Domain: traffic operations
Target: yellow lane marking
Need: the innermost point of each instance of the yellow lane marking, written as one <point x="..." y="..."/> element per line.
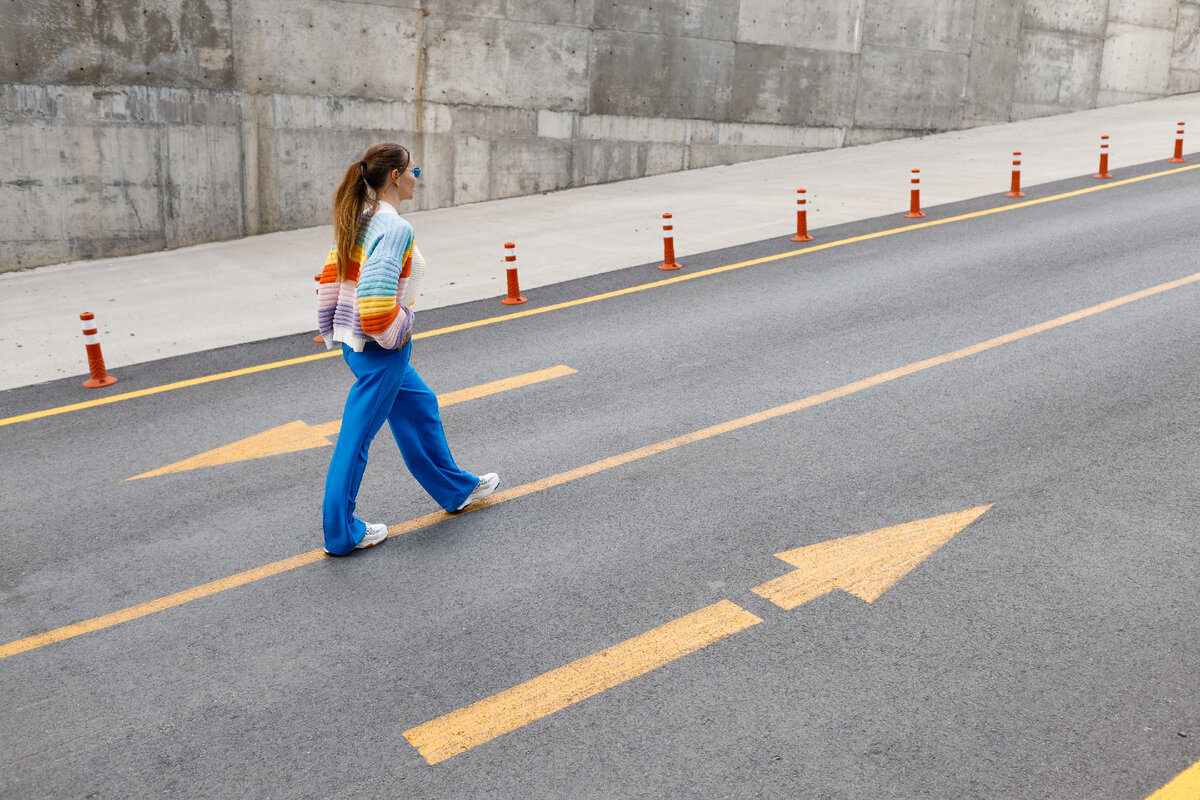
<point x="1185" y="786"/>
<point x="867" y="564"/>
<point x="483" y="721"/>
<point x="38" y="640"/>
<point x="171" y="600"/>
<point x="297" y="435"/>
<point x="593" y="298"/>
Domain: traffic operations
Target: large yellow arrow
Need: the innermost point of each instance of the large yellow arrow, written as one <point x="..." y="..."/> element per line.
<point x="299" y="435"/>
<point x="866" y="564"/>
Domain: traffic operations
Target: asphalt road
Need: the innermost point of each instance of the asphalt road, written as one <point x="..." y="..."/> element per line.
<point x="1049" y="650"/>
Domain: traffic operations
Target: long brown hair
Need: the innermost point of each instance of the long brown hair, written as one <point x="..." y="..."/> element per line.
<point x="352" y="196"/>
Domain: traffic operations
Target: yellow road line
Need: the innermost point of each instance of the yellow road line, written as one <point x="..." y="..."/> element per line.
<point x="1185" y="786"/>
<point x="483" y="721"/>
<point x="294" y="436"/>
<point x="108" y="620"/>
<point x="593" y="298"/>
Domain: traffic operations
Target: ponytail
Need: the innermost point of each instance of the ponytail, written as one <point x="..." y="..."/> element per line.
<point x="356" y="195"/>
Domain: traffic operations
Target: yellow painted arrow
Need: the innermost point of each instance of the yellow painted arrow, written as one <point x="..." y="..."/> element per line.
<point x="866" y="564"/>
<point x="299" y="435"/>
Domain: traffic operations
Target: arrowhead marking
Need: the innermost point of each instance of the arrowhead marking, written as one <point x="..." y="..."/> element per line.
<point x="297" y="435"/>
<point x="287" y="438"/>
<point x="867" y="564"/>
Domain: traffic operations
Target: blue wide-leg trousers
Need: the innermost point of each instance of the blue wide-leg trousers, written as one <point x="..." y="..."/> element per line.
<point x="387" y="388"/>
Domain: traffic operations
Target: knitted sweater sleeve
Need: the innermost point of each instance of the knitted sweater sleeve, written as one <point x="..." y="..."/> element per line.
<point x="386" y="321"/>
<point x="411" y="284"/>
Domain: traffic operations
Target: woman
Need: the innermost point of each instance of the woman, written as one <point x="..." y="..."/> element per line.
<point x="365" y="301"/>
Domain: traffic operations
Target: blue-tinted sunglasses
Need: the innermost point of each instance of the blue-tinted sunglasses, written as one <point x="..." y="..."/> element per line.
<point x="416" y="171"/>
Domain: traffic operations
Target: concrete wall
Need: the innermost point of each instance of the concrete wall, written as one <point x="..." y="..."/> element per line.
<point x="133" y="126"/>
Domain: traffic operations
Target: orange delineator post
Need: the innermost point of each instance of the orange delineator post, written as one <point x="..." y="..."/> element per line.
<point x="1103" y="173"/>
<point x="801" y="219"/>
<point x="1015" y="191"/>
<point x="914" y="204"/>
<point x="1178" y="157"/>
<point x="514" y="290"/>
<point x="669" y="261"/>
<point x="95" y="359"/>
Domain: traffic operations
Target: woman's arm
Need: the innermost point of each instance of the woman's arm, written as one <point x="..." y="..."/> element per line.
<point x="383" y="319"/>
<point x="411" y="284"/>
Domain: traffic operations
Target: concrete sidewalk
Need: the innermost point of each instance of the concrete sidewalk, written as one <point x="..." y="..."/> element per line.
<point x="174" y="302"/>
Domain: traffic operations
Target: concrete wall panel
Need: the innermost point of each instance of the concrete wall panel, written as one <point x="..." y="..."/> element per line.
<point x="472" y="169"/>
<point x="166" y="43"/>
<point x="1185" y="49"/>
<point x="995" y="51"/>
<point x="1057" y="72"/>
<point x="701" y="19"/>
<point x="1136" y="62"/>
<point x="997" y="23"/>
<point x="598" y="161"/>
<point x="790" y="86"/>
<point x="657" y="158"/>
<point x="808" y="24"/>
<point x="913" y="89"/>
<point x="288" y="48"/>
<point x="660" y="76"/>
<point x="945" y="26"/>
<point x="1081" y="17"/>
<point x="577" y="13"/>
<point x="205" y="176"/>
<point x="712" y="155"/>
<point x="636" y="129"/>
<point x="493" y="62"/>
<point x="990" y="80"/>
<point x="529" y="166"/>
<point x="1151" y="13"/>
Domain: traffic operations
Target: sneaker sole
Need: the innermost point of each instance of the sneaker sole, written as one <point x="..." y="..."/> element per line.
<point x="361" y="546"/>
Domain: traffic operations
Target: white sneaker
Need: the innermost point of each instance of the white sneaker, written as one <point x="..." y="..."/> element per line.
<point x="487" y="484"/>
<point x="376" y="533"/>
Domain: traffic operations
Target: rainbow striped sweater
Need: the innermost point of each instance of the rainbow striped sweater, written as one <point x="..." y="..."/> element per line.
<point x="375" y="300"/>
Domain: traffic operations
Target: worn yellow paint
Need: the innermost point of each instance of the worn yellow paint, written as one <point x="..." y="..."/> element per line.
<point x="1184" y="786"/>
<point x="171" y="600"/>
<point x="643" y="452"/>
<point x="867" y="564"/>
<point x="593" y="298"/>
<point x="298" y="435"/>
<point x="513" y="708"/>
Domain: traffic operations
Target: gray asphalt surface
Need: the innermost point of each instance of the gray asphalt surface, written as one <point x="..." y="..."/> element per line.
<point x="1050" y="650"/>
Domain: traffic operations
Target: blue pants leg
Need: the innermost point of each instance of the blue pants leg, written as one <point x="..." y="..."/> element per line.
<point x="417" y="427"/>
<point x="387" y="387"/>
<point x="379" y="375"/>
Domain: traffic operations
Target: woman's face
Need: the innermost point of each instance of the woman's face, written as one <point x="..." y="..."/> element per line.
<point x="406" y="182"/>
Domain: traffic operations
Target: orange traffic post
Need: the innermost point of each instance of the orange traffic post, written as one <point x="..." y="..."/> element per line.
<point x="914" y="205"/>
<point x="801" y="219"/>
<point x="1015" y="191"/>
<point x="669" y="261"/>
<point x="1103" y="173"/>
<point x="95" y="359"/>
<point x="318" y="337"/>
<point x="1178" y="157"/>
<point x="514" y="289"/>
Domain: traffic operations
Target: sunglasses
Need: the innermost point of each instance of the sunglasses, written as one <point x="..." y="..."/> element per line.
<point x="416" y="171"/>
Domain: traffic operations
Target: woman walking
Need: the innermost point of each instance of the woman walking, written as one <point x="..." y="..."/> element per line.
<point x="365" y="299"/>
